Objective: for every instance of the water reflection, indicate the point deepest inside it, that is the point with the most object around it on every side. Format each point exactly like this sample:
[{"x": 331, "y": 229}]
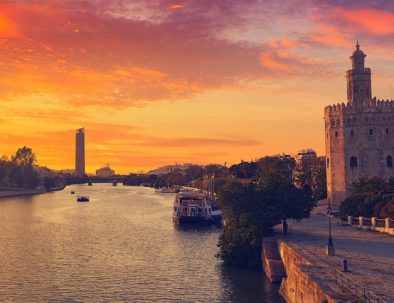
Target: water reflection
[
  {"x": 247, "y": 286},
  {"x": 121, "y": 246}
]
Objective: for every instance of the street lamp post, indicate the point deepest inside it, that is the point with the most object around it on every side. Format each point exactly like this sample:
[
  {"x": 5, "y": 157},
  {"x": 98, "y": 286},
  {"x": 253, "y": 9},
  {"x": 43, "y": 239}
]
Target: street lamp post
[{"x": 330, "y": 249}]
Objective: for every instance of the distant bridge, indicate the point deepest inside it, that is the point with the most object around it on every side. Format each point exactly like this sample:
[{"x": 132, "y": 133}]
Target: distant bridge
[{"x": 96, "y": 179}]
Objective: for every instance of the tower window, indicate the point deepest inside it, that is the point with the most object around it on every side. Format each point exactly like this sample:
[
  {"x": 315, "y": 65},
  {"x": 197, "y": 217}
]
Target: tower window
[
  {"x": 336, "y": 134},
  {"x": 353, "y": 161},
  {"x": 371, "y": 131},
  {"x": 389, "y": 161},
  {"x": 352, "y": 133},
  {"x": 387, "y": 131},
  {"x": 328, "y": 162}
]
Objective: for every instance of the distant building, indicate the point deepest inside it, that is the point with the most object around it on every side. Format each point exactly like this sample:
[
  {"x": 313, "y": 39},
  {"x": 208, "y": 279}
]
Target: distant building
[
  {"x": 105, "y": 172},
  {"x": 170, "y": 168},
  {"x": 80, "y": 152},
  {"x": 307, "y": 159},
  {"x": 359, "y": 135}
]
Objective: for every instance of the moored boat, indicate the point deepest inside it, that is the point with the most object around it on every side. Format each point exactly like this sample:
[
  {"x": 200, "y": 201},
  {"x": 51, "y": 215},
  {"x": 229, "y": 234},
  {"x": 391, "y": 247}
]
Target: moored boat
[
  {"x": 165, "y": 190},
  {"x": 82, "y": 199},
  {"x": 192, "y": 207}
]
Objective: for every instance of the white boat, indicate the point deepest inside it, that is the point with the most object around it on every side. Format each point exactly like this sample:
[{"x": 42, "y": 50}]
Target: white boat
[
  {"x": 193, "y": 207},
  {"x": 165, "y": 190}
]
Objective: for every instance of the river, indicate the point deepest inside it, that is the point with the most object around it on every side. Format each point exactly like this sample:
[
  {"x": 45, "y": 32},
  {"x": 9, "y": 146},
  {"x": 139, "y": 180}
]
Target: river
[{"x": 120, "y": 247}]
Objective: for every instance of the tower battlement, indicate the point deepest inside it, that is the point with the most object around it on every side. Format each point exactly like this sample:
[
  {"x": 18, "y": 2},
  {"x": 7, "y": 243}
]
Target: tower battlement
[{"x": 379, "y": 105}]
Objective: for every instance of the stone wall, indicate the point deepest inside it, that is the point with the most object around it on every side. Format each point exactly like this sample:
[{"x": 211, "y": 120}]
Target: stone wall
[
  {"x": 301, "y": 284},
  {"x": 365, "y": 132}
]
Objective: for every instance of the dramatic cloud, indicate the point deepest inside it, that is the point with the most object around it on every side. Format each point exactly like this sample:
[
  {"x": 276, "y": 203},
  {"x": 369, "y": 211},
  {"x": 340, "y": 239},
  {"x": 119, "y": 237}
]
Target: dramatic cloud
[{"x": 147, "y": 78}]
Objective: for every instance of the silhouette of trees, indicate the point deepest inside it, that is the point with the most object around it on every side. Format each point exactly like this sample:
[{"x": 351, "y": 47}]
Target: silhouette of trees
[{"x": 19, "y": 171}]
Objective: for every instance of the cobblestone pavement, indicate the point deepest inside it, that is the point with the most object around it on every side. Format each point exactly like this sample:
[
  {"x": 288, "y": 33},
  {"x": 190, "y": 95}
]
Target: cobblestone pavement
[{"x": 370, "y": 254}]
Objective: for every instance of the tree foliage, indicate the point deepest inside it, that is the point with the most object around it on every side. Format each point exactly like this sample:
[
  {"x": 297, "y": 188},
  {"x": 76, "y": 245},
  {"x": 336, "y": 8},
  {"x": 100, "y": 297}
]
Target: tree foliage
[
  {"x": 252, "y": 209},
  {"x": 19, "y": 171},
  {"x": 370, "y": 197}
]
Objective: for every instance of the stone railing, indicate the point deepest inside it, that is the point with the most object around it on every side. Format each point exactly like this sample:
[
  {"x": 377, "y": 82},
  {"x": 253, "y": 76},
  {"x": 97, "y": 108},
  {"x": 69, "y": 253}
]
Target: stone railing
[{"x": 382, "y": 225}]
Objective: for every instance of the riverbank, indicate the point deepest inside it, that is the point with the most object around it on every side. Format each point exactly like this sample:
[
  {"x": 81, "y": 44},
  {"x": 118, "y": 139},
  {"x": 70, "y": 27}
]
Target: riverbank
[
  {"x": 17, "y": 192},
  {"x": 369, "y": 255}
]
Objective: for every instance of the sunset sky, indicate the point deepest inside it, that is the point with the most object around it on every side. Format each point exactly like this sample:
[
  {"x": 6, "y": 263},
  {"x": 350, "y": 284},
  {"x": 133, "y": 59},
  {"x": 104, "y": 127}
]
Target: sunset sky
[{"x": 203, "y": 81}]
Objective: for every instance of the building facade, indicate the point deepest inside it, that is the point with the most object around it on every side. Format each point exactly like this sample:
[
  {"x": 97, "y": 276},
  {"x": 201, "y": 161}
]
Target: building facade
[
  {"x": 80, "y": 152},
  {"x": 359, "y": 135},
  {"x": 105, "y": 172},
  {"x": 307, "y": 160}
]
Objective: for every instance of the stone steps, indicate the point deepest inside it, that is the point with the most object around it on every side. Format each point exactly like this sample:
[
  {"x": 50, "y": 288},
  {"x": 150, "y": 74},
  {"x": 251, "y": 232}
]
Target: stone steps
[{"x": 271, "y": 260}]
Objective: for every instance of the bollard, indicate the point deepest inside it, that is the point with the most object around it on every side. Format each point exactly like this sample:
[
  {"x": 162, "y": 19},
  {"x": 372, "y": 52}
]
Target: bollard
[
  {"x": 345, "y": 265},
  {"x": 349, "y": 220},
  {"x": 361, "y": 221},
  {"x": 373, "y": 223}
]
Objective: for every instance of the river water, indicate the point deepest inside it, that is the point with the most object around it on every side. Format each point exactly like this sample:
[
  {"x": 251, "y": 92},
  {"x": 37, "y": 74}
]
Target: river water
[{"x": 120, "y": 247}]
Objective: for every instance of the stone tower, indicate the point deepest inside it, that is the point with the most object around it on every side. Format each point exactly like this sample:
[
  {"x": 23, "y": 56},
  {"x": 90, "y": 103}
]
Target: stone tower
[
  {"x": 359, "y": 135},
  {"x": 80, "y": 152}
]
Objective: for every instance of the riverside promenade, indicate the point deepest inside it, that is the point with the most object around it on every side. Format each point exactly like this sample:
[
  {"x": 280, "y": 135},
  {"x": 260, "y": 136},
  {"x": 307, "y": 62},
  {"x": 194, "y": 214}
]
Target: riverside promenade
[{"x": 370, "y": 255}]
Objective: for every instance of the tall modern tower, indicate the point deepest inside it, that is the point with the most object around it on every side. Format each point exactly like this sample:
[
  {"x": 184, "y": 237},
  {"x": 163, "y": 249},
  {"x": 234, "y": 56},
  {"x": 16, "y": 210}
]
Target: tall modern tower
[{"x": 80, "y": 152}]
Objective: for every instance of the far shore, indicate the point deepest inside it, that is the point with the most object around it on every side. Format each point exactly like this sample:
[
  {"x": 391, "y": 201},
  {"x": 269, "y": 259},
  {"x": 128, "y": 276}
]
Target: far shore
[{"x": 16, "y": 192}]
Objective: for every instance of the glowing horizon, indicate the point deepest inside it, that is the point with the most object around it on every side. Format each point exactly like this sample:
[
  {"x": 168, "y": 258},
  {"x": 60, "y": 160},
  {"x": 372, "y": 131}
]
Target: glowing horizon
[{"x": 191, "y": 81}]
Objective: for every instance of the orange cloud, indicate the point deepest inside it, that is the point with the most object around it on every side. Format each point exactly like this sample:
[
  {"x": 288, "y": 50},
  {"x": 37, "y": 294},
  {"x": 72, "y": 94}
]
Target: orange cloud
[
  {"x": 176, "y": 6},
  {"x": 280, "y": 61},
  {"x": 7, "y": 27},
  {"x": 371, "y": 20}
]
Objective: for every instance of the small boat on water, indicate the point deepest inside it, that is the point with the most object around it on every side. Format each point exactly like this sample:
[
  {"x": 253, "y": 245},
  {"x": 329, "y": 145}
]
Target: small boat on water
[
  {"x": 194, "y": 207},
  {"x": 82, "y": 199},
  {"x": 165, "y": 190}
]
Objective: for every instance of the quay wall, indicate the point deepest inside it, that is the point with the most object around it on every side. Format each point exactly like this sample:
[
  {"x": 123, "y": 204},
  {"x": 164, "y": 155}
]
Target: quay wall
[{"x": 301, "y": 284}]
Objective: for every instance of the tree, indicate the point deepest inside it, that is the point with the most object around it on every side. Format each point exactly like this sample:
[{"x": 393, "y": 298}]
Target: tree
[
  {"x": 4, "y": 170},
  {"x": 319, "y": 183},
  {"x": 368, "y": 198},
  {"x": 22, "y": 170},
  {"x": 251, "y": 210},
  {"x": 386, "y": 210}
]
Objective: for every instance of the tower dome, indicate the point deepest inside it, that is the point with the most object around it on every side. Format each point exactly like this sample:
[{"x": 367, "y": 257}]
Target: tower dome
[{"x": 358, "y": 58}]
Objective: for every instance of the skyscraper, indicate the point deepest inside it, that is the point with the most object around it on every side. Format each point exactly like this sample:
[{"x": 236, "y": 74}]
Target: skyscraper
[{"x": 80, "y": 152}]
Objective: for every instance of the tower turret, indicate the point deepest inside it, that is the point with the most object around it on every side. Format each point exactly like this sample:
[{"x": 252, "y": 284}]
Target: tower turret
[{"x": 358, "y": 79}]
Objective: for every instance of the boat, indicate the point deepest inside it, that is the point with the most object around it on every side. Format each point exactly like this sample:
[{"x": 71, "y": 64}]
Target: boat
[
  {"x": 192, "y": 207},
  {"x": 82, "y": 199},
  {"x": 165, "y": 190}
]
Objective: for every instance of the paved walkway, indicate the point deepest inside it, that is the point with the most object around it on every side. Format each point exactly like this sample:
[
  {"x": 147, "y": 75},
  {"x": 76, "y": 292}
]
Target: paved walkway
[{"x": 370, "y": 254}]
